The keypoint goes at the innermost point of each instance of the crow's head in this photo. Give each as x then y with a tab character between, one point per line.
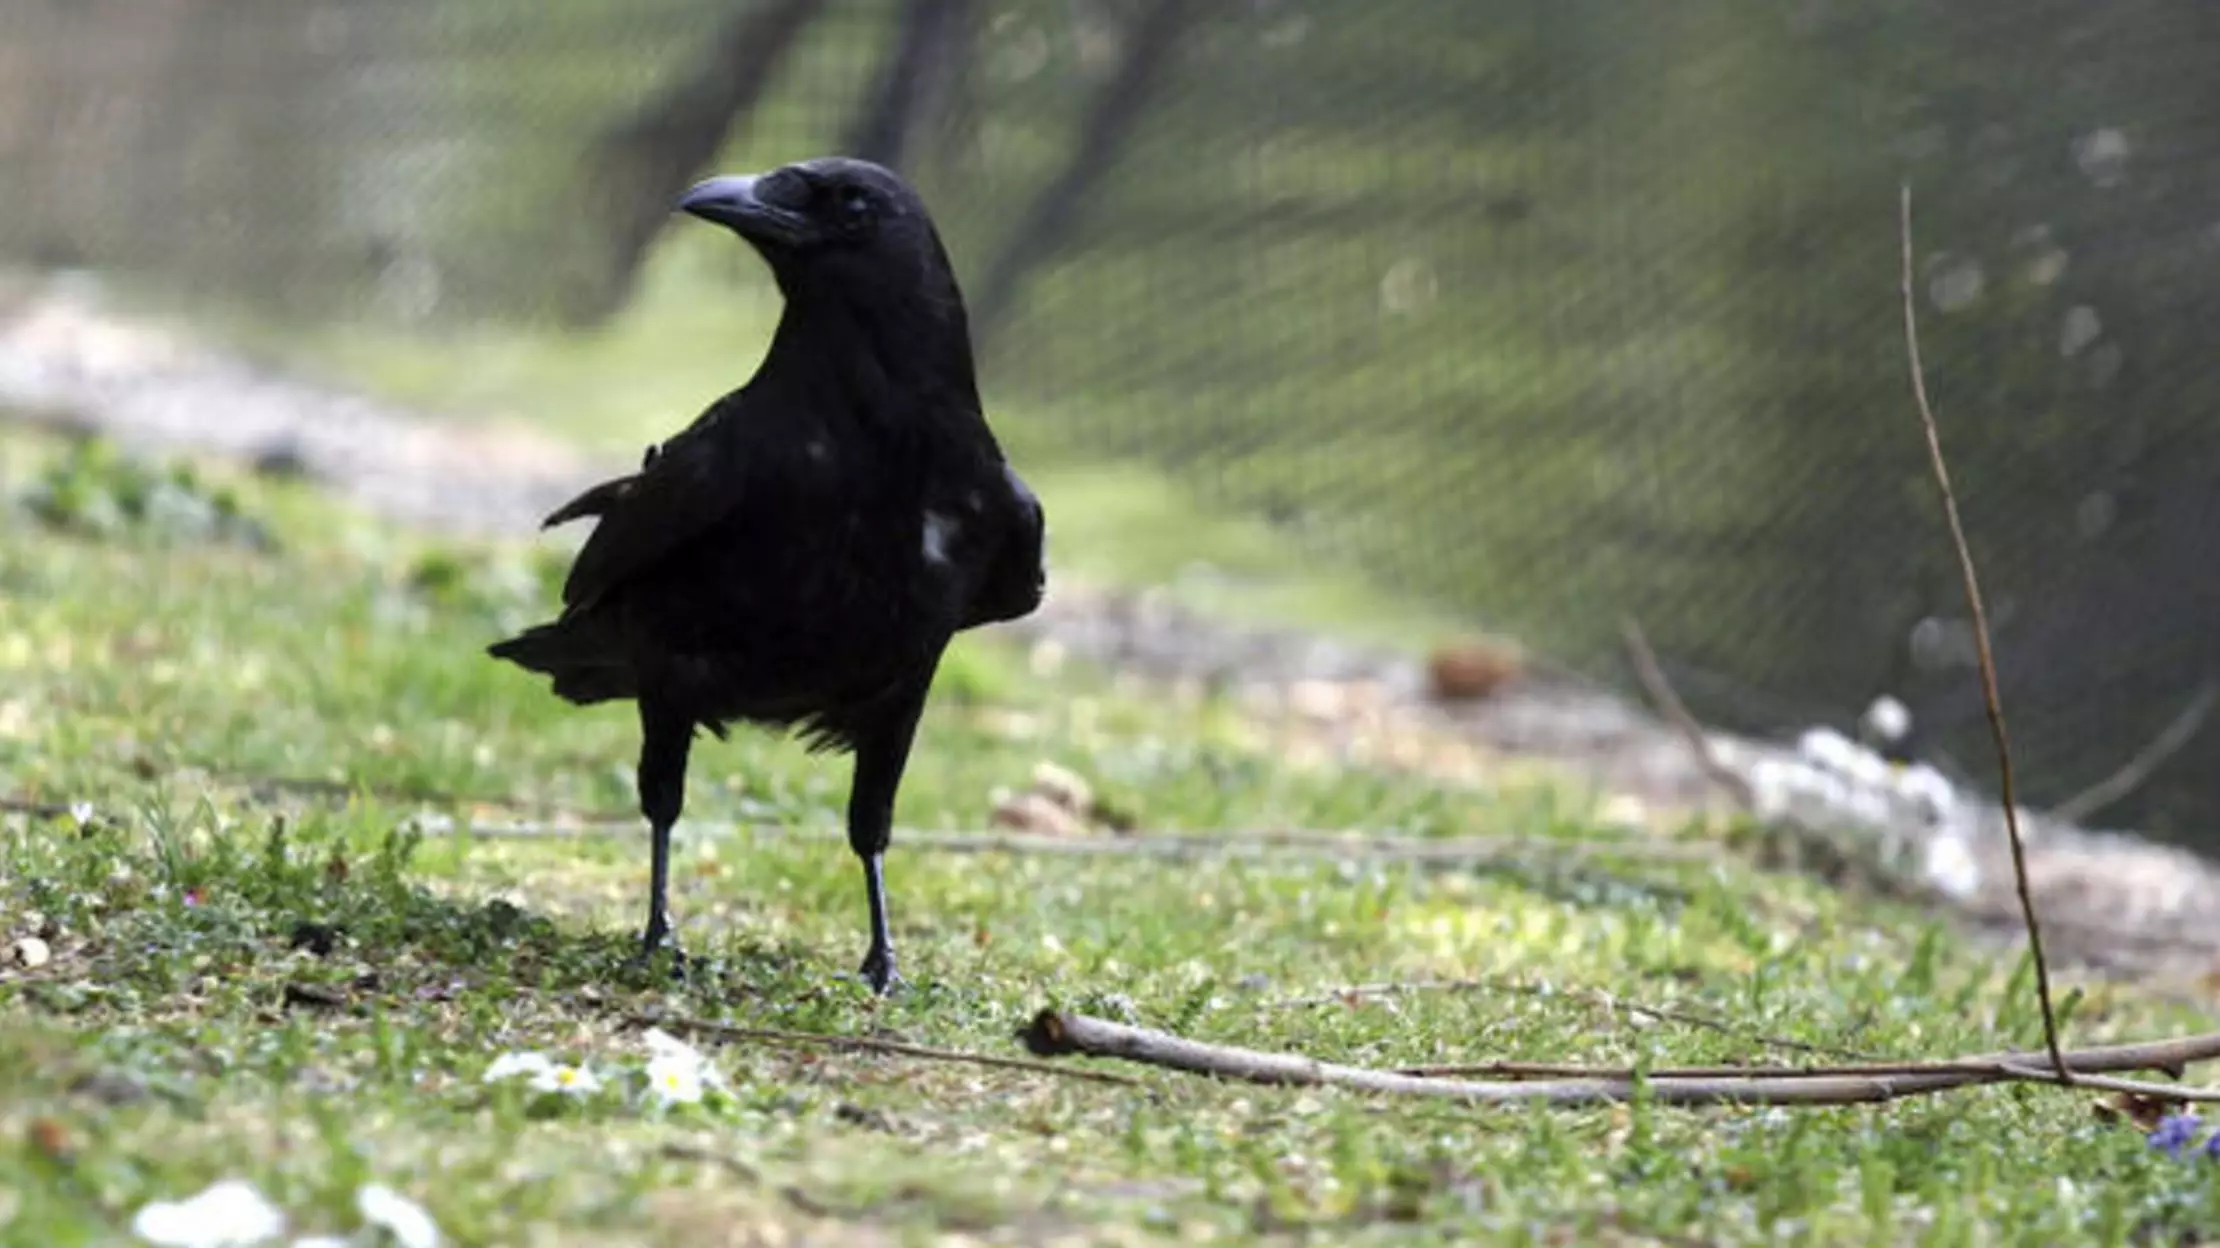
832	213
851	246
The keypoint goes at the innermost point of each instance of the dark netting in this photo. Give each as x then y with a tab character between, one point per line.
1556	312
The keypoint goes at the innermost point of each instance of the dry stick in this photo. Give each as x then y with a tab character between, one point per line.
1588	996
1992	701
35	809
1578	1070
1675	711
2178	732
865	1044
691	1152
1056	1034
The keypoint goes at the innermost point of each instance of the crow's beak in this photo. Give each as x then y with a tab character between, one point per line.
733	202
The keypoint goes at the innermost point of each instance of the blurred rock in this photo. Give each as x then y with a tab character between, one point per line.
1468	670
1037	814
30	953
1065	787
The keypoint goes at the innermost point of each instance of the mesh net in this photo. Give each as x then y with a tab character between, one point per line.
1555	312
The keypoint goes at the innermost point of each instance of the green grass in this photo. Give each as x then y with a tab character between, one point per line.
204	699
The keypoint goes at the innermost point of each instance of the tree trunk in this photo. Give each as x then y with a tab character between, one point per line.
639	165
1108	124
932	46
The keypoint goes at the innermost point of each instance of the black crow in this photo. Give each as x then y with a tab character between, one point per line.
801	554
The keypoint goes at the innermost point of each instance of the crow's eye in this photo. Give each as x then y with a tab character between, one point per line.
855	203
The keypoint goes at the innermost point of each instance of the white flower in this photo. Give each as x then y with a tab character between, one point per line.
227	1214
509	1065
677	1072
409	1224
323	1241
1773	786
1867	806
666	1047
1887	718
1827	748
1951	867
1836	753
661	1043
1929	789
673	1081
568	1080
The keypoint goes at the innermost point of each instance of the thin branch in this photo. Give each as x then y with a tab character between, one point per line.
1983	1068
1991	700
1676	713
347	790
34	808
709	1157
2178	732
864	1044
1054	1034
1590	996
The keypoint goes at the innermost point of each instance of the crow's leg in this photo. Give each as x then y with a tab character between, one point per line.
882	750
664	740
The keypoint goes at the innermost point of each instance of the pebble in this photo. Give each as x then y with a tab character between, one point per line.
30	953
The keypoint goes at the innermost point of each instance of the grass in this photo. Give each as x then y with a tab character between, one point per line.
255	973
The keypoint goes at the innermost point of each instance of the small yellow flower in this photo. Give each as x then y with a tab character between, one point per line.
568	1080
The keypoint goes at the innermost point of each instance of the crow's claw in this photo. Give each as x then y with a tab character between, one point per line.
658	939
878	971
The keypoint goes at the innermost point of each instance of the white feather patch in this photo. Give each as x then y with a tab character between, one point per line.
939	531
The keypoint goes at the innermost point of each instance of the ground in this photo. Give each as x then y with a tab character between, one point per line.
240	725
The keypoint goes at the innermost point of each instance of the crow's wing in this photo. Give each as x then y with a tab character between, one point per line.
686	486
1016	580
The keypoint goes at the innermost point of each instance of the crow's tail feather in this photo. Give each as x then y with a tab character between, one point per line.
587	668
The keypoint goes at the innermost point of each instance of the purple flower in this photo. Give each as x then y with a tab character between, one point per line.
2212	1147
2176	1132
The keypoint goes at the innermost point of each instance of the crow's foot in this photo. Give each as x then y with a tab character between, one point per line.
878	971
660	940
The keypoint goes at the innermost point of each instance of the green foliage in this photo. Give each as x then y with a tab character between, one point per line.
98	490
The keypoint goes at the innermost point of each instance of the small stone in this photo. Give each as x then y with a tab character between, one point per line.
1469	670
30	953
1322	701
1063	786
1031	812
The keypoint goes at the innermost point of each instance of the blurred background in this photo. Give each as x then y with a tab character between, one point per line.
1536	316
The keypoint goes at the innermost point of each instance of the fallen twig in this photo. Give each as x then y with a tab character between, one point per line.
710	1157
1056	1034
1676	713
866	1044
347	790
1589	996
2130	776
1991	700
33	808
